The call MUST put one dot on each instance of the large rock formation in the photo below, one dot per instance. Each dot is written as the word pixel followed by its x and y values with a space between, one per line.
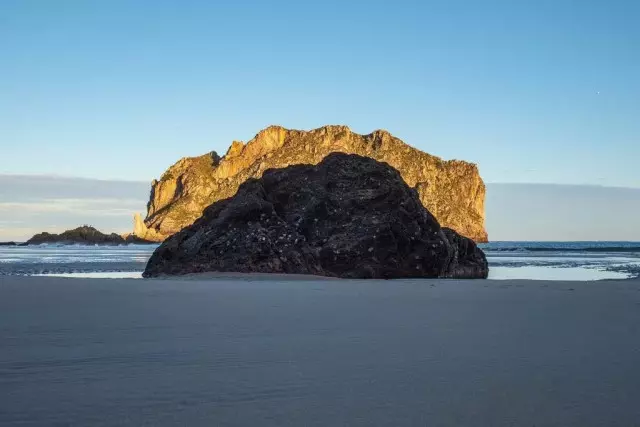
pixel 452 190
pixel 85 235
pixel 349 216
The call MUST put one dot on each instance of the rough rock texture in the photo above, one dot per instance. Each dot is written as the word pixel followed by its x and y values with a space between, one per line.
pixel 141 229
pixel 83 235
pixel 452 190
pixel 349 216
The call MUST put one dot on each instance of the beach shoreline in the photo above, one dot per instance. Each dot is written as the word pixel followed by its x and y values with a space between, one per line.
pixel 277 351
pixel 507 260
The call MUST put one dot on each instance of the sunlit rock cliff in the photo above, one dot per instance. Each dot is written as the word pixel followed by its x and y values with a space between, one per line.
pixel 451 190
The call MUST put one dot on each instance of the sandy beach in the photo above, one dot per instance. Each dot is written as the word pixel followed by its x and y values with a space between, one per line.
pixel 273 351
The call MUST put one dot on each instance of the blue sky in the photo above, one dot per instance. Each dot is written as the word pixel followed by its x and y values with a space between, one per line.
pixel 544 91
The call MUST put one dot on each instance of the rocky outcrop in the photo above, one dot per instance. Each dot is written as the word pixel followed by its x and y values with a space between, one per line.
pixel 85 235
pixel 349 216
pixel 452 190
pixel 140 230
pixel 8 244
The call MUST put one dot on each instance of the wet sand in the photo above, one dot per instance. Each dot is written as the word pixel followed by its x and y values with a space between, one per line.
pixel 273 351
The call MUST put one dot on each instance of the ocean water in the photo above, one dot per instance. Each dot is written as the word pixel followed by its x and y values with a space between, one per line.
pixel 82 260
pixel 507 260
pixel 563 260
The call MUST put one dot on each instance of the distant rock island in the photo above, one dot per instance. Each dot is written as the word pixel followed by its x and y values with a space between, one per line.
pixel 349 216
pixel 84 235
pixel 451 190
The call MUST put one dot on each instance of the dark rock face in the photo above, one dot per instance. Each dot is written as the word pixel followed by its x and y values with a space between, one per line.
pixel 468 258
pixel 83 235
pixel 348 216
pixel 8 244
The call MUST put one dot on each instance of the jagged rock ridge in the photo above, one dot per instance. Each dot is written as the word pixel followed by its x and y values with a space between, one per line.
pixel 452 190
pixel 349 216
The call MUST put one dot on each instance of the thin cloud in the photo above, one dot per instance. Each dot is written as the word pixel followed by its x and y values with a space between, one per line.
pixel 32 204
pixel 20 234
pixel 25 188
pixel 92 207
pixel 10 222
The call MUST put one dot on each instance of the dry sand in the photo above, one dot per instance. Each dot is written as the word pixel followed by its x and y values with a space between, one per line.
pixel 271 351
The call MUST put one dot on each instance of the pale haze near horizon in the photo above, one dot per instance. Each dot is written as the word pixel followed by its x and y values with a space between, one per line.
pixel 31 204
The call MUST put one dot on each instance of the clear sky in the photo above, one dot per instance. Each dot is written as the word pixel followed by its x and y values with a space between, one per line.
pixel 533 91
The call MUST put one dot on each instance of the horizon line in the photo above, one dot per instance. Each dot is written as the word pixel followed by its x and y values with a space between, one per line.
pixel 84 178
